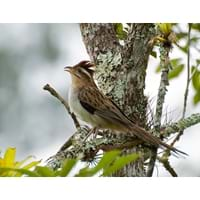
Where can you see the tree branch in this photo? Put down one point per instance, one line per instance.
(62, 100)
(167, 166)
(164, 82)
(188, 72)
(181, 125)
(187, 84)
(88, 150)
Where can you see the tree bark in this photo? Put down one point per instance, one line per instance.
(120, 73)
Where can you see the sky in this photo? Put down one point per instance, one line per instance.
(32, 55)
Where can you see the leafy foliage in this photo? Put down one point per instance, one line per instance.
(10, 167)
(108, 164)
(121, 31)
(182, 42)
(196, 84)
(165, 28)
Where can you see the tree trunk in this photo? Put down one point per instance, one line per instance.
(121, 72)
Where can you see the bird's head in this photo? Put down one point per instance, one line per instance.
(81, 72)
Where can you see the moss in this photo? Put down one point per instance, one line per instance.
(106, 73)
(119, 88)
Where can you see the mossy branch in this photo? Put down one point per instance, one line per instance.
(167, 166)
(180, 125)
(164, 82)
(88, 150)
(74, 147)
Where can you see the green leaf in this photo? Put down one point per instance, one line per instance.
(196, 27)
(174, 62)
(175, 71)
(183, 48)
(109, 163)
(196, 98)
(196, 79)
(67, 167)
(198, 62)
(19, 171)
(27, 166)
(105, 161)
(120, 31)
(196, 83)
(19, 164)
(154, 54)
(9, 157)
(165, 28)
(158, 69)
(107, 158)
(31, 164)
(194, 39)
(8, 161)
(85, 172)
(44, 171)
(181, 35)
(119, 163)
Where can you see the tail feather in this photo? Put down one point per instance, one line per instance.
(147, 137)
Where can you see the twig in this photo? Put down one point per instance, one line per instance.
(188, 73)
(152, 162)
(167, 166)
(62, 100)
(187, 84)
(165, 65)
(180, 125)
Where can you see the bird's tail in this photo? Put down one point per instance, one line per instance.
(149, 138)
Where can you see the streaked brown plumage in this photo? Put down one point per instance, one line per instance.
(93, 107)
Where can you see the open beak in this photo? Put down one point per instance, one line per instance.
(68, 69)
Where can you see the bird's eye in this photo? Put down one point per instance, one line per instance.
(79, 70)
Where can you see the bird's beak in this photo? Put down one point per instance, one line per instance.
(68, 69)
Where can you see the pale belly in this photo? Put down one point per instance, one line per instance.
(92, 119)
(81, 112)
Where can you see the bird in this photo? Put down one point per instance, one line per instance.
(93, 107)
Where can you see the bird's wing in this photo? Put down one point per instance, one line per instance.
(97, 103)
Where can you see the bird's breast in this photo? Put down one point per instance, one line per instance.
(78, 109)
